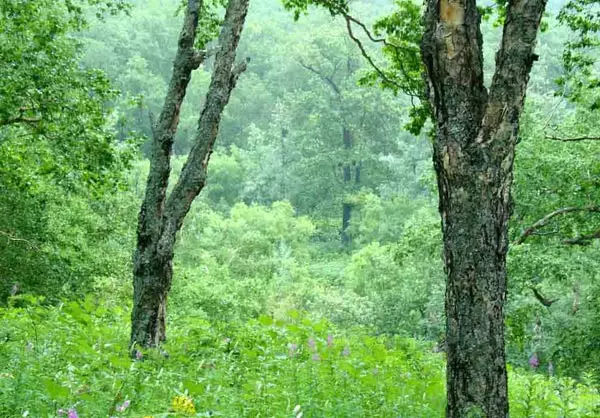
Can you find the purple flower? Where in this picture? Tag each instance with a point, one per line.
(138, 355)
(124, 406)
(329, 340)
(346, 351)
(72, 414)
(293, 349)
(316, 357)
(534, 362)
(312, 344)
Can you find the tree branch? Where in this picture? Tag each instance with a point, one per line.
(163, 130)
(583, 239)
(573, 139)
(20, 119)
(224, 77)
(543, 300)
(544, 221)
(364, 53)
(11, 237)
(327, 79)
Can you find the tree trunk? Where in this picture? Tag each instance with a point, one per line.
(347, 206)
(161, 217)
(473, 158)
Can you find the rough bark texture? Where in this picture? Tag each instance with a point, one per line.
(473, 157)
(161, 217)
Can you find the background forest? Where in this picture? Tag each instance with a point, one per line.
(308, 278)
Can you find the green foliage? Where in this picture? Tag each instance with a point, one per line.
(580, 55)
(74, 356)
(61, 159)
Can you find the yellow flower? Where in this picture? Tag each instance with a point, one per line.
(184, 405)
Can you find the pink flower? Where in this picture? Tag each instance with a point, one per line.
(534, 362)
(329, 340)
(72, 414)
(138, 355)
(312, 344)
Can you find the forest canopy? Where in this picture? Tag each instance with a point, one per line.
(299, 208)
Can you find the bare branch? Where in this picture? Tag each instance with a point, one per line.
(544, 221)
(327, 79)
(364, 53)
(11, 237)
(573, 139)
(543, 300)
(20, 119)
(583, 239)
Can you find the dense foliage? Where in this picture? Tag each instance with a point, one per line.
(270, 309)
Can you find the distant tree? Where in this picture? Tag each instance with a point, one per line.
(162, 215)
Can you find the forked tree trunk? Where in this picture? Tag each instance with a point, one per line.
(473, 157)
(161, 217)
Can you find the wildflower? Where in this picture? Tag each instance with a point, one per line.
(316, 357)
(61, 412)
(329, 340)
(184, 405)
(124, 406)
(312, 344)
(72, 414)
(346, 351)
(293, 349)
(138, 355)
(534, 362)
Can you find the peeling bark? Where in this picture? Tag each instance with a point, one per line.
(161, 217)
(473, 158)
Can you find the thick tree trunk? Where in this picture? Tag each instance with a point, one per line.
(473, 157)
(161, 217)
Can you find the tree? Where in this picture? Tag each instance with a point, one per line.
(58, 149)
(474, 149)
(351, 170)
(476, 132)
(162, 216)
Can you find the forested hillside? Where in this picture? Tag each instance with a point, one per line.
(192, 227)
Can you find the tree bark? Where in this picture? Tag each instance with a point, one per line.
(474, 150)
(161, 217)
